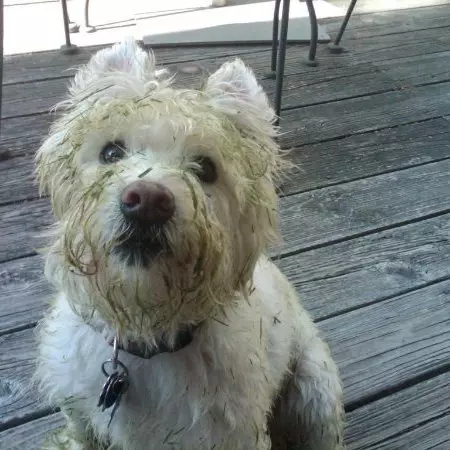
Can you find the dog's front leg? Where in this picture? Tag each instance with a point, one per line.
(312, 404)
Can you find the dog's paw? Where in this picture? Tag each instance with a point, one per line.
(62, 439)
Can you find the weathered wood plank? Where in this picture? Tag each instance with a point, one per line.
(22, 135)
(384, 345)
(31, 435)
(17, 362)
(308, 87)
(18, 180)
(333, 213)
(25, 128)
(351, 274)
(431, 435)
(357, 115)
(367, 154)
(23, 293)
(377, 348)
(327, 121)
(416, 70)
(393, 22)
(308, 219)
(20, 226)
(31, 98)
(409, 419)
(42, 95)
(51, 64)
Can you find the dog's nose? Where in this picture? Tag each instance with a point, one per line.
(147, 202)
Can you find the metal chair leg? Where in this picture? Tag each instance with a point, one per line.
(87, 28)
(276, 19)
(281, 57)
(68, 47)
(335, 47)
(314, 34)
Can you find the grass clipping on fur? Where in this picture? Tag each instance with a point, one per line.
(200, 275)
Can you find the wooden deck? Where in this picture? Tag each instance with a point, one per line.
(365, 217)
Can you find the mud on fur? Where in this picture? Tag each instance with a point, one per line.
(199, 168)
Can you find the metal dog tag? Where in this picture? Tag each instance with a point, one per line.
(115, 385)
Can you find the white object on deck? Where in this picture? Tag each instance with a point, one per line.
(248, 23)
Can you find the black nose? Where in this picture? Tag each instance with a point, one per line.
(147, 202)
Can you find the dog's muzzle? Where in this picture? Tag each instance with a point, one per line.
(146, 206)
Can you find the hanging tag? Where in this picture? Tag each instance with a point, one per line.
(116, 383)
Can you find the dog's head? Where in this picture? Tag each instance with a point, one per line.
(164, 197)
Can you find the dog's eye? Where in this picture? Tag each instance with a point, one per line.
(112, 152)
(206, 169)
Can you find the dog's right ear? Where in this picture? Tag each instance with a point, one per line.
(234, 90)
(124, 57)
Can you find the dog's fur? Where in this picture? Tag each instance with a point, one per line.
(256, 362)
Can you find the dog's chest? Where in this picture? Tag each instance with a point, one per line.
(167, 392)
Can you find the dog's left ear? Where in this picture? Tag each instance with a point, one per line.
(124, 57)
(233, 88)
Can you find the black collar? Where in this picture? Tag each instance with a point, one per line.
(141, 350)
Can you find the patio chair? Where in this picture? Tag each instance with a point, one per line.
(279, 42)
(69, 26)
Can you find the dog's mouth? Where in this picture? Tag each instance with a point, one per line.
(139, 247)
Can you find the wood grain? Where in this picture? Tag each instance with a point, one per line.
(358, 272)
(31, 435)
(416, 70)
(364, 25)
(425, 421)
(52, 64)
(334, 213)
(363, 114)
(21, 225)
(368, 154)
(18, 180)
(433, 435)
(44, 93)
(23, 293)
(306, 87)
(382, 346)
(18, 398)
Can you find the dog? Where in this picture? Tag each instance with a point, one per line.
(171, 327)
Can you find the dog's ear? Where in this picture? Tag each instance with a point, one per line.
(234, 89)
(124, 57)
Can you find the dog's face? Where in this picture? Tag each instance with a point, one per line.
(164, 198)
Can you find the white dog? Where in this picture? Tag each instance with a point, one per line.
(171, 329)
